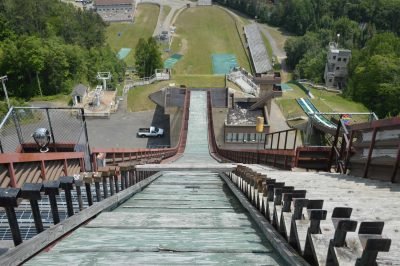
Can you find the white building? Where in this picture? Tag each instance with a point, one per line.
(115, 10)
(336, 66)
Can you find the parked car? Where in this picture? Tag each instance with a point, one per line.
(150, 132)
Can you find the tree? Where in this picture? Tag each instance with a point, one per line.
(33, 54)
(375, 73)
(48, 46)
(295, 48)
(312, 66)
(349, 32)
(147, 57)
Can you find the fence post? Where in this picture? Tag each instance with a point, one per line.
(8, 200)
(87, 179)
(51, 129)
(51, 188)
(31, 191)
(66, 183)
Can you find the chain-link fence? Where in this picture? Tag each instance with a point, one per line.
(67, 128)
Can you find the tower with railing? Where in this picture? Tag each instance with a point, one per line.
(336, 66)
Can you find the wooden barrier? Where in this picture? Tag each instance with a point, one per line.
(283, 206)
(119, 178)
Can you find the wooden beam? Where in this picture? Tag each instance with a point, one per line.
(286, 252)
(43, 170)
(396, 165)
(208, 167)
(29, 248)
(371, 148)
(11, 173)
(37, 157)
(395, 121)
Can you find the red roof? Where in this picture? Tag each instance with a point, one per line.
(113, 2)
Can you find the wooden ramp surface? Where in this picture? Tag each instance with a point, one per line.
(181, 218)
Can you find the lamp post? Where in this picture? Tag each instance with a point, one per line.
(3, 79)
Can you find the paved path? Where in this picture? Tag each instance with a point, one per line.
(164, 25)
(278, 52)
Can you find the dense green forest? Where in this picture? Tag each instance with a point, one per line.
(47, 46)
(370, 28)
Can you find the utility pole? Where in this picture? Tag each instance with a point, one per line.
(3, 79)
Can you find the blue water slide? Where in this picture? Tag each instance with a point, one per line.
(312, 112)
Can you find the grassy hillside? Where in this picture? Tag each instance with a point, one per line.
(127, 35)
(201, 32)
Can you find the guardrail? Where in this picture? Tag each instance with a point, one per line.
(370, 150)
(11, 165)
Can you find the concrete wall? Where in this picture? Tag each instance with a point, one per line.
(175, 118)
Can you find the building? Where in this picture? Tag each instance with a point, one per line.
(204, 2)
(336, 66)
(115, 10)
(78, 94)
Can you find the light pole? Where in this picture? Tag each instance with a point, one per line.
(3, 79)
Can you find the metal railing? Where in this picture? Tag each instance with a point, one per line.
(67, 127)
(343, 145)
(279, 140)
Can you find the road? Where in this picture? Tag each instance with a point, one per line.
(276, 50)
(164, 25)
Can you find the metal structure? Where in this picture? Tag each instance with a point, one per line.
(95, 97)
(66, 126)
(104, 76)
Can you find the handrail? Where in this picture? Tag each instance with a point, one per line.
(286, 132)
(341, 153)
(395, 121)
(33, 157)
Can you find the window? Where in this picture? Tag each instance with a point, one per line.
(330, 80)
(334, 57)
(344, 59)
(261, 138)
(337, 68)
(229, 137)
(339, 59)
(240, 137)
